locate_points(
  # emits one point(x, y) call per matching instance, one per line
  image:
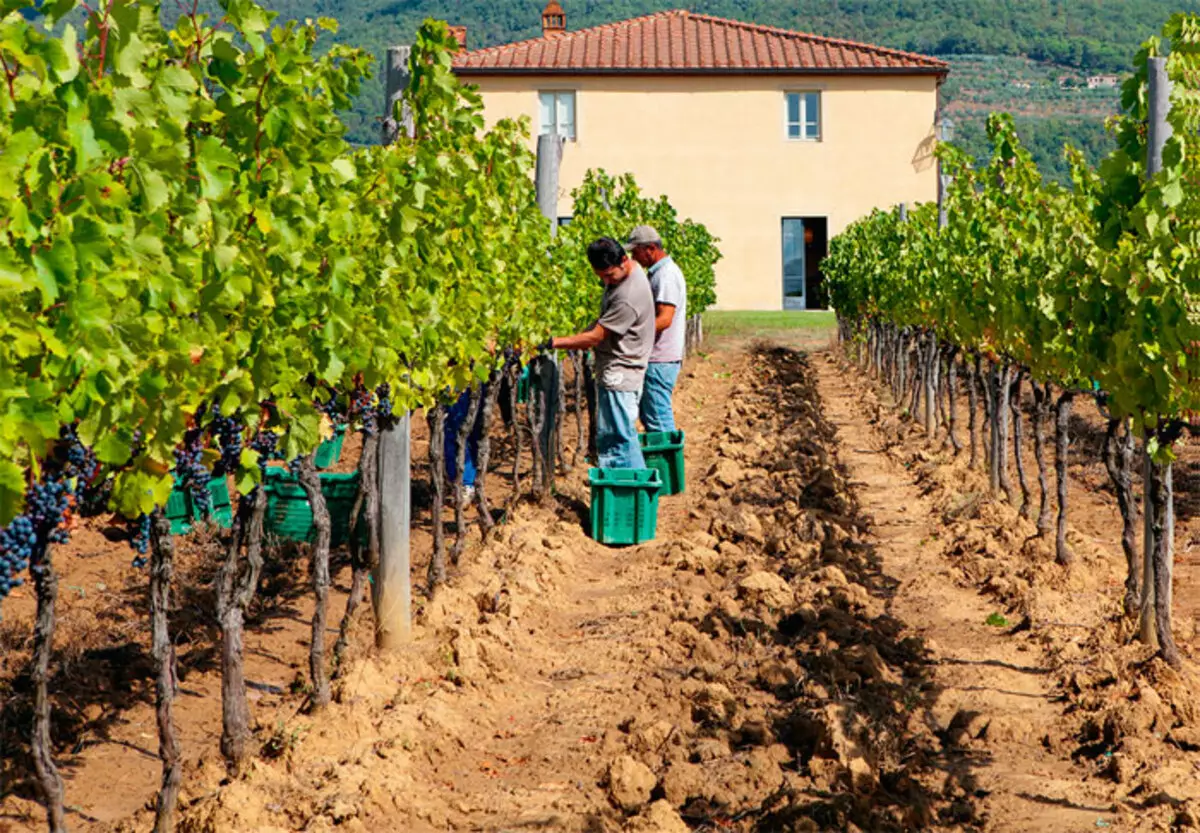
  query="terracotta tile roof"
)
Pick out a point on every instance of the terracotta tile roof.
point(683, 42)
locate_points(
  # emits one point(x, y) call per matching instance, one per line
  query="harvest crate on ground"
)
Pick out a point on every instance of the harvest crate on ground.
point(624, 505)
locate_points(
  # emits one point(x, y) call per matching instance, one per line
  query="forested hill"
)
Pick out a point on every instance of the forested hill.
point(1083, 35)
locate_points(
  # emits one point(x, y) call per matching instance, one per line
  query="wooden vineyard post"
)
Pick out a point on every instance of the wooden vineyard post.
point(545, 375)
point(393, 583)
point(549, 159)
point(391, 589)
point(397, 81)
point(1159, 131)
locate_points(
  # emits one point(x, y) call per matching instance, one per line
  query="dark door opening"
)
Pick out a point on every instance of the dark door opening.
point(805, 245)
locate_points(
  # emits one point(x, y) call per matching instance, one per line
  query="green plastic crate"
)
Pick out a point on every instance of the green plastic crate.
point(330, 451)
point(181, 509)
point(289, 516)
point(663, 451)
point(222, 506)
point(624, 505)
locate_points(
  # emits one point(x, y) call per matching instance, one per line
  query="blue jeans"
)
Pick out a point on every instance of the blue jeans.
point(456, 414)
point(655, 406)
point(616, 429)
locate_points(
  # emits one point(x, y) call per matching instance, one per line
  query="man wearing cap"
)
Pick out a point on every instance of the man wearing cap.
point(670, 323)
point(622, 338)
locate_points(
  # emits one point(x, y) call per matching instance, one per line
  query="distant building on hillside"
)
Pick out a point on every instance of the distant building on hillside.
point(1022, 85)
point(776, 140)
point(1102, 82)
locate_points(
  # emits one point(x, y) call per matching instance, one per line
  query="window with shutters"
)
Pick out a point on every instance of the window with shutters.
point(803, 116)
point(556, 110)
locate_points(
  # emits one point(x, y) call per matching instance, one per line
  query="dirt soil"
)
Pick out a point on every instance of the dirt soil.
point(835, 629)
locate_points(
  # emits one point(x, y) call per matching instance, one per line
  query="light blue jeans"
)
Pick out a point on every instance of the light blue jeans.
point(617, 443)
point(655, 406)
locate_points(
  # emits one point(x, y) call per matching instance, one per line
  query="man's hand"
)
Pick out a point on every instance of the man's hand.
point(546, 346)
point(584, 341)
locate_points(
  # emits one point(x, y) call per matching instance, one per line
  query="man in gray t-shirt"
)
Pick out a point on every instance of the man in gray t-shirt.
point(670, 323)
point(622, 339)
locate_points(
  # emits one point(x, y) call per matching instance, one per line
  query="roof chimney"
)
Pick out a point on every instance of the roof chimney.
point(554, 20)
point(460, 35)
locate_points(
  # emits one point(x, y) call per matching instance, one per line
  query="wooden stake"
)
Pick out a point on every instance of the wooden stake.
point(392, 586)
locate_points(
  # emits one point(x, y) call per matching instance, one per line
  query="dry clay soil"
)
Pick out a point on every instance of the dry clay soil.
point(835, 629)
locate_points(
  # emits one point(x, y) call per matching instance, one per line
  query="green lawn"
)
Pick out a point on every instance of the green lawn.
point(809, 323)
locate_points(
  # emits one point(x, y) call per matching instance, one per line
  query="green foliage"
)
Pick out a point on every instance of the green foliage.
point(607, 206)
point(1044, 137)
point(1093, 283)
point(183, 222)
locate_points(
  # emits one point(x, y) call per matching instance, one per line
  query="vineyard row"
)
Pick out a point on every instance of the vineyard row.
point(201, 279)
point(1088, 290)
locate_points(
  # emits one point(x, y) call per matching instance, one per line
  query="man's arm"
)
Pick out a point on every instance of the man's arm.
point(584, 341)
point(664, 315)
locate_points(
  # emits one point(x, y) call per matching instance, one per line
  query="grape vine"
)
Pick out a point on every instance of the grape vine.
point(1090, 289)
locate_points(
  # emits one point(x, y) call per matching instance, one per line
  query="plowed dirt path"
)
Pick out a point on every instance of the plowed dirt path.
point(804, 647)
point(999, 683)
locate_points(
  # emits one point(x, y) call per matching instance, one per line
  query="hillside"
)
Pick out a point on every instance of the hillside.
point(1048, 36)
point(1051, 104)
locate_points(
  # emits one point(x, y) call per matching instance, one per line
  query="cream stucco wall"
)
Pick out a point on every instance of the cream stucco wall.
point(717, 146)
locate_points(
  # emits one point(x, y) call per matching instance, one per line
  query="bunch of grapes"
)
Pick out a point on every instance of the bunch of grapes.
point(362, 407)
point(384, 394)
point(228, 431)
point(138, 445)
point(332, 408)
point(65, 475)
point(81, 462)
point(189, 466)
point(141, 541)
point(17, 541)
point(266, 443)
point(47, 504)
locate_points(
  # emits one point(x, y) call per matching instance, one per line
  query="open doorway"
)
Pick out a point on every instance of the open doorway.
point(805, 245)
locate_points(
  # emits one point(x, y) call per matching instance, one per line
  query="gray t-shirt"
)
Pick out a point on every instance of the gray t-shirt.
point(668, 286)
point(627, 315)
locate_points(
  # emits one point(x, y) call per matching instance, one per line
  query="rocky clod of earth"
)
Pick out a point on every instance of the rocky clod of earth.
point(630, 783)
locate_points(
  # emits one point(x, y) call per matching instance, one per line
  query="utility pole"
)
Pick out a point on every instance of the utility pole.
point(392, 587)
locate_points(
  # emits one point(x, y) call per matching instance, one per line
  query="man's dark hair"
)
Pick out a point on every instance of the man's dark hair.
point(605, 253)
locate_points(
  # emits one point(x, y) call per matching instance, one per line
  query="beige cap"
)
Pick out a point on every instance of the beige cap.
point(643, 236)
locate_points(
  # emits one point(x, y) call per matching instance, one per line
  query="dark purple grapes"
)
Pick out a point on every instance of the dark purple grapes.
point(228, 430)
point(332, 408)
point(266, 443)
point(17, 542)
point(384, 394)
point(23, 542)
point(192, 473)
point(137, 446)
point(81, 462)
point(362, 407)
point(140, 541)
